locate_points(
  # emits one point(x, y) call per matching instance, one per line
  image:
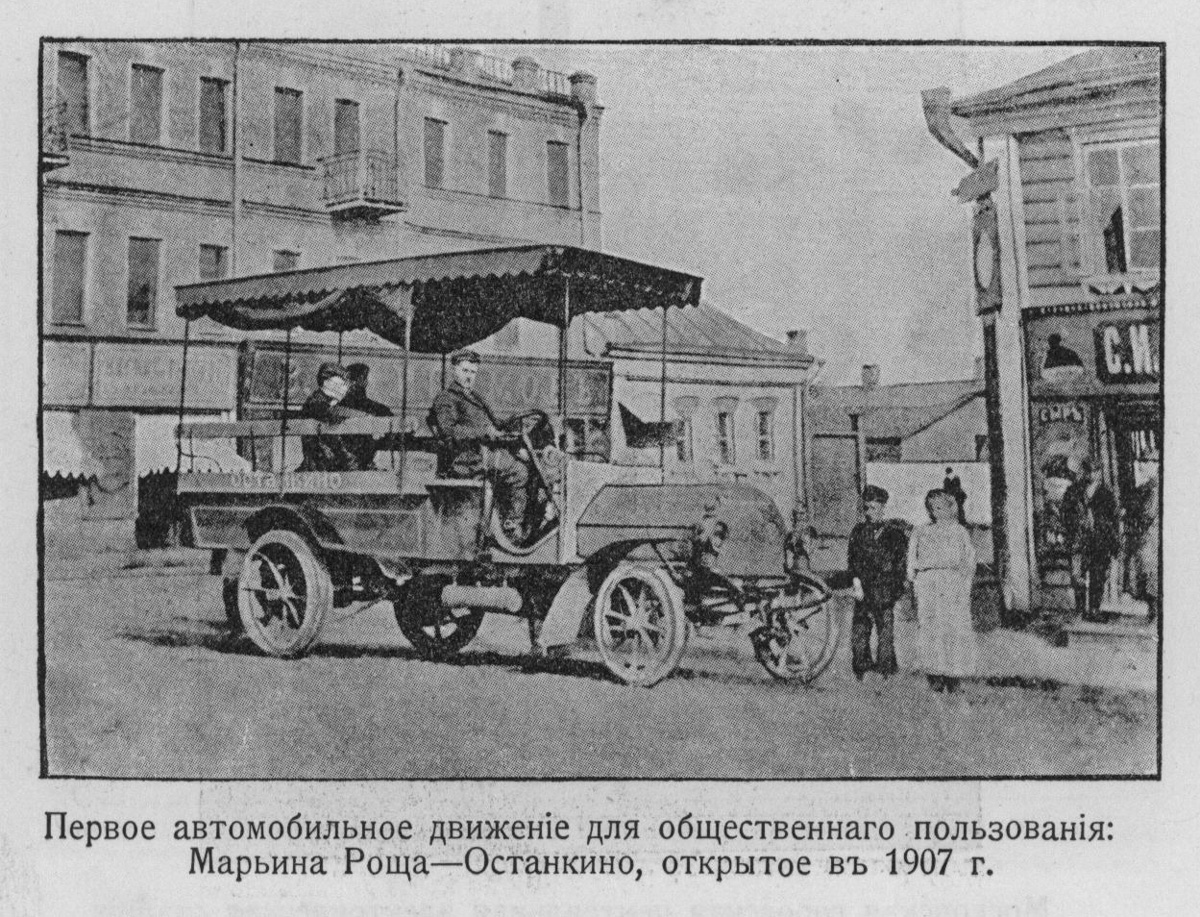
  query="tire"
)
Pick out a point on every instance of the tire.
point(639, 623)
point(435, 631)
point(814, 635)
point(284, 594)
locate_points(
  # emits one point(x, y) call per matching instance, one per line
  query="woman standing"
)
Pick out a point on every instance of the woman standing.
point(941, 564)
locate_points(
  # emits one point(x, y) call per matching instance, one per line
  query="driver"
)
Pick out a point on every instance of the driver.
point(465, 423)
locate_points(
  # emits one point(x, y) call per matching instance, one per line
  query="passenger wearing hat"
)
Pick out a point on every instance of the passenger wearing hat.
point(323, 452)
point(877, 564)
point(464, 422)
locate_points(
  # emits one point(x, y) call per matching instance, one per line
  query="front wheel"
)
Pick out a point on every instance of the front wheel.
point(284, 594)
point(639, 622)
point(804, 637)
point(435, 631)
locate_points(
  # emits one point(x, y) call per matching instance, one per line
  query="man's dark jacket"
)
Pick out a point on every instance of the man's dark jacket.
point(878, 556)
point(1099, 536)
point(462, 420)
point(324, 452)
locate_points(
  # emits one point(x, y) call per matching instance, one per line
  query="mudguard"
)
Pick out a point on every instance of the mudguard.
point(640, 513)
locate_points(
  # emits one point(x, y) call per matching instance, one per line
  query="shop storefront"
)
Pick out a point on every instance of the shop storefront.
point(1095, 392)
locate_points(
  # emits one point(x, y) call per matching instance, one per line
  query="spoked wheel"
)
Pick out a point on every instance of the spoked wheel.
point(639, 622)
point(434, 630)
point(284, 594)
point(804, 635)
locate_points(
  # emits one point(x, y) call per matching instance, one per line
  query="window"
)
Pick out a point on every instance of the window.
point(214, 262)
point(726, 438)
point(145, 104)
point(73, 91)
point(1124, 185)
point(70, 277)
point(213, 120)
point(558, 173)
point(142, 294)
point(435, 152)
point(286, 260)
point(766, 436)
point(684, 451)
point(289, 125)
point(497, 164)
point(345, 127)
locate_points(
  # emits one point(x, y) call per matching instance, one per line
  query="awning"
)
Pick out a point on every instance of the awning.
point(457, 298)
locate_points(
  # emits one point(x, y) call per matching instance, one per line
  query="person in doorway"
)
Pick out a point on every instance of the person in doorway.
point(321, 451)
point(464, 423)
point(941, 566)
point(1093, 539)
point(876, 556)
point(952, 484)
point(363, 447)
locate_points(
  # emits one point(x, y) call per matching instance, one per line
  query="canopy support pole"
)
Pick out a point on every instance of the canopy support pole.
point(187, 329)
point(662, 398)
point(287, 386)
point(340, 348)
point(408, 316)
point(562, 360)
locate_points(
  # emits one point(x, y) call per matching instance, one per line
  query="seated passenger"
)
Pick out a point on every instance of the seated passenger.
point(323, 452)
point(464, 422)
point(363, 447)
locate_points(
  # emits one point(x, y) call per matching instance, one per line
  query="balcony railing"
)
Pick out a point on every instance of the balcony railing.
point(362, 185)
point(489, 68)
point(55, 135)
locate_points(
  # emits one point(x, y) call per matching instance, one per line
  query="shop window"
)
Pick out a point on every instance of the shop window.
point(74, 92)
point(284, 260)
point(145, 104)
point(70, 277)
point(214, 121)
point(142, 294)
point(289, 125)
point(435, 153)
point(345, 127)
point(214, 262)
point(1126, 206)
point(497, 164)
point(558, 173)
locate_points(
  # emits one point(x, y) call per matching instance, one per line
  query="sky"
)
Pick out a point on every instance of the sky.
point(802, 184)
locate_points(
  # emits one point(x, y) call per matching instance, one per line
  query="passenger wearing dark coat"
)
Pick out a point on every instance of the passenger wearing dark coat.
point(877, 561)
point(464, 422)
point(1092, 529)
point(323, 452)
point(363, 447)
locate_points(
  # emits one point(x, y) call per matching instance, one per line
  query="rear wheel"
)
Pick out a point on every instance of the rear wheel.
point(639, 623)
point(434, 630)
point(284, 594)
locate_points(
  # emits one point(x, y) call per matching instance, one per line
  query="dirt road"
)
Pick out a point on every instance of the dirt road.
point(142, 680)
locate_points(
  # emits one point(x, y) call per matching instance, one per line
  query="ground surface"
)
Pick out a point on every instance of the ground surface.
point(142, 680)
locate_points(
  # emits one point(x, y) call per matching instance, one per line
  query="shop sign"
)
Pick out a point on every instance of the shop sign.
point(1127, 352)
point(148, 376)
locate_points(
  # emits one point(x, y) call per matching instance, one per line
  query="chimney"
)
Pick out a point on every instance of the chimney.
point(525, 74)
point(797, 340)
point(583, 87)
point(870, 375)
point(979, 368)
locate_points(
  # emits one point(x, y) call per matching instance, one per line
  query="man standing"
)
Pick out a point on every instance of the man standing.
point(1089, 513)
point(877, 563)
point(323, 452)
point(952, 484)
point(362, 447)
point(464, 423)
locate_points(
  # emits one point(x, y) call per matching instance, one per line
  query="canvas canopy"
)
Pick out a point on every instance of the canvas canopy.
point(456, 298)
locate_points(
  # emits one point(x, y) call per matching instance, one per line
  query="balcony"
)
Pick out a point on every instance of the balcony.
point(55, 146)
point(362, 186)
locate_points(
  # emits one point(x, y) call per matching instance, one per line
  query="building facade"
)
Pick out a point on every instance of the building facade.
point(166, 163)
point(1068, 235)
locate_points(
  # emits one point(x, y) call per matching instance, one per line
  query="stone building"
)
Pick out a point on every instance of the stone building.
point(166, 163)
point(1067, 239)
